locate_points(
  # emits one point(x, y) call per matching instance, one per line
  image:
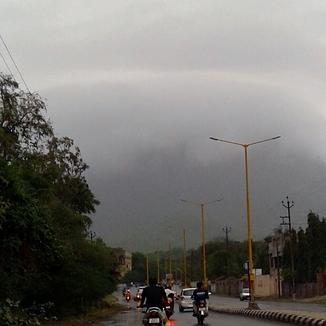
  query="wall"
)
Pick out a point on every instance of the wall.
point(263, 285)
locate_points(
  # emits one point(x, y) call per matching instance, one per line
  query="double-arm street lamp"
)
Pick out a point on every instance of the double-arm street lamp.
point(202, 233)
point(245, 146)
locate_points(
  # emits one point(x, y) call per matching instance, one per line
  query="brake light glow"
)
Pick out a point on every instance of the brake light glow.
point(153, 313)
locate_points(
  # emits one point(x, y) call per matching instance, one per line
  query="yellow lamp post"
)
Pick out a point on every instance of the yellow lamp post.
point(170, 264)
point(202, 233)
point(147, 272)
point(184, 259)
point(158, 265)
point(245, 146)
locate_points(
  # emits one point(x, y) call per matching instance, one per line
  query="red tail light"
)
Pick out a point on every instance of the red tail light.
point(153, 314)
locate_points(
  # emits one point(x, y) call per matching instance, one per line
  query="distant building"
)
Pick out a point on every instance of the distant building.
point(275, 252)
point(124, 259)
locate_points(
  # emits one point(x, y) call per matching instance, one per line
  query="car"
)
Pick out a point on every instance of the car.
point(245, 294)
point(185, 299)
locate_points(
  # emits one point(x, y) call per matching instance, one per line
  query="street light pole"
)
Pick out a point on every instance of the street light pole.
point(184, 259)
point(245, 146)
point(202, 233)
point(158, 265)
point(170, 264)
point(147, 272)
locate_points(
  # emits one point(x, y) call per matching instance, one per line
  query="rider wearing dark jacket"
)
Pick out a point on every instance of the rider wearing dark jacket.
point(200, 293)
point(155, 297)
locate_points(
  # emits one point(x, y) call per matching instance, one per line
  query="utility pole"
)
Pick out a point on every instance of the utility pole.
point(227, 231)
point(288, 207)
point(92, 235)
point(278, 271)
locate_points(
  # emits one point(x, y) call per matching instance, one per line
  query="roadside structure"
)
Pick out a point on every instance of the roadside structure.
point(124, 259)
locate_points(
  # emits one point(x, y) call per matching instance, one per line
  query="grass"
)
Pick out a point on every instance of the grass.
point(93, 315)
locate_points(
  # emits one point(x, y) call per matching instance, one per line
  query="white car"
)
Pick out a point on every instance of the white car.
point(184, 299)
point(245, 294)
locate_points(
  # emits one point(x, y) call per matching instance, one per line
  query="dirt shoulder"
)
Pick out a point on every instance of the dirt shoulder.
point(92, 316)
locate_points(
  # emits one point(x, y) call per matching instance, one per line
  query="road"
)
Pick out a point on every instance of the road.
point(265, 305)
point(134, 317)
point(268, 305)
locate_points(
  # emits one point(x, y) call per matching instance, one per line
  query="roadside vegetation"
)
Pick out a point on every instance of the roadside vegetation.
point(107, 308)
point(48, 264)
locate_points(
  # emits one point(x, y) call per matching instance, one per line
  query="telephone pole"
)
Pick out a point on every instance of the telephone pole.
point(92, 235)
point(288, 206)
point(227, 231)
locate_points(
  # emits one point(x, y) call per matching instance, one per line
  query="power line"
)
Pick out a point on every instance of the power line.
point(4, 60)
point(317, 183)
point(301, 192)
point(21, 76)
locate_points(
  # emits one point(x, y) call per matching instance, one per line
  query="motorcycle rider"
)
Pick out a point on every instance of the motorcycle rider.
point(128, 295)
point(155, 297)
point(200, 293)
point(171, 296)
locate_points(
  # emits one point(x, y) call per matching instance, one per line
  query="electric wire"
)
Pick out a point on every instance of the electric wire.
point(21, 76)
point(304, 192)
point(4, 60)
point(317, 183)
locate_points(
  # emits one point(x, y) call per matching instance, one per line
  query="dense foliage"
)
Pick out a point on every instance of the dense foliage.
point(309, 251)
point(223, 259)
point(45, 252)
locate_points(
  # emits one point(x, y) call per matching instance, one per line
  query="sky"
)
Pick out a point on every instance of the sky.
point(141, 86)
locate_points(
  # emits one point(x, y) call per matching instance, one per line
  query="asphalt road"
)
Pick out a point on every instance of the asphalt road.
point(134, 317)
point(269, 305)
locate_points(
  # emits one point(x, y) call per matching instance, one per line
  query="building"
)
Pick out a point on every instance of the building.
point(124, 259)
point(275, 252)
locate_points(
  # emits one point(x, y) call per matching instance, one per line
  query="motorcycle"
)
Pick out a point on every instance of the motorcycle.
point(137, 298)
point(128, 296)
point(154, 318)
point(168, 307)
point(202, 312)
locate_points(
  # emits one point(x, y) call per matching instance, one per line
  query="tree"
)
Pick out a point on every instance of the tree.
point(45, 254)
point(316, 237)
point(138, 272)
point(303, 266)
point(24, 130)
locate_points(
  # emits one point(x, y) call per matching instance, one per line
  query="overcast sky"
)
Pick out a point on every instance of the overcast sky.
point(141, 86)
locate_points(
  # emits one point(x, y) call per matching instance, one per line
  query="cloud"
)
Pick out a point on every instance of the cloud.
point(141, 86)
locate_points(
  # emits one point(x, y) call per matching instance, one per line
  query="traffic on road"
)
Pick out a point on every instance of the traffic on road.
point(134, 315)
